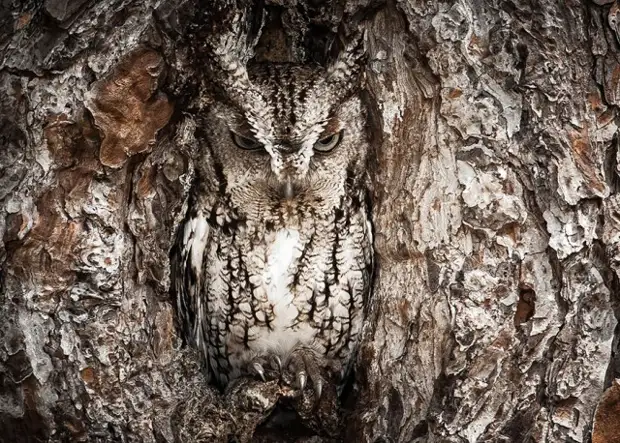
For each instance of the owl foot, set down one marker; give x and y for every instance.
(310, 388)
(266, 367)
(303, 366)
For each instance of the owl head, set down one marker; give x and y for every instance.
(286, 138)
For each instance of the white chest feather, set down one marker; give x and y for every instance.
(268, 294)
(280, 260)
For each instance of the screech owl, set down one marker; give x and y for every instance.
(273, 261)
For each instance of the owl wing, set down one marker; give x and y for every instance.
(188, 280)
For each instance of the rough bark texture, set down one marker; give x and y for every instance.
(496, 204)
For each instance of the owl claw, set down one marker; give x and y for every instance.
(318, 388)
(259, 370)
(301, 380)
(303, 369)
(278, 363)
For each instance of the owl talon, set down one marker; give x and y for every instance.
(301, 380)
(277, 363)
(303, 369)
(259, 370)
(318, 388)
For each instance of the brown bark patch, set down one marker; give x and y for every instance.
(146, 184)
(511, 230)
(23, 20)
(455, 93)
(585, 159)
(128, 109)
(526, 306)
(46, 250)
(88, 375)
(607, 417)
(404, 308)
(604, 115)
(71, 142)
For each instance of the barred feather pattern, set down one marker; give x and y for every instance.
(250, 289)
(259, 273)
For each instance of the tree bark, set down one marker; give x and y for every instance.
(496, 210)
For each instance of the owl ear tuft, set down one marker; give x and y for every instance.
(349, 61)
(234, 28)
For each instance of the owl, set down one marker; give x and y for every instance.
(272, 268)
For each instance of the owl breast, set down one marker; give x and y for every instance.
(268, 287)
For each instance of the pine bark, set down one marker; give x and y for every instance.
(496, 209)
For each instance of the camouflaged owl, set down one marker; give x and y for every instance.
(273, 263)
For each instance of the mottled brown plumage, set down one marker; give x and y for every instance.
(273, 263)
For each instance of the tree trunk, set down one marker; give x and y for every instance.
(496, 211)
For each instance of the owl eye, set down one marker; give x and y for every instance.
(328, 143)
(249, 144)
